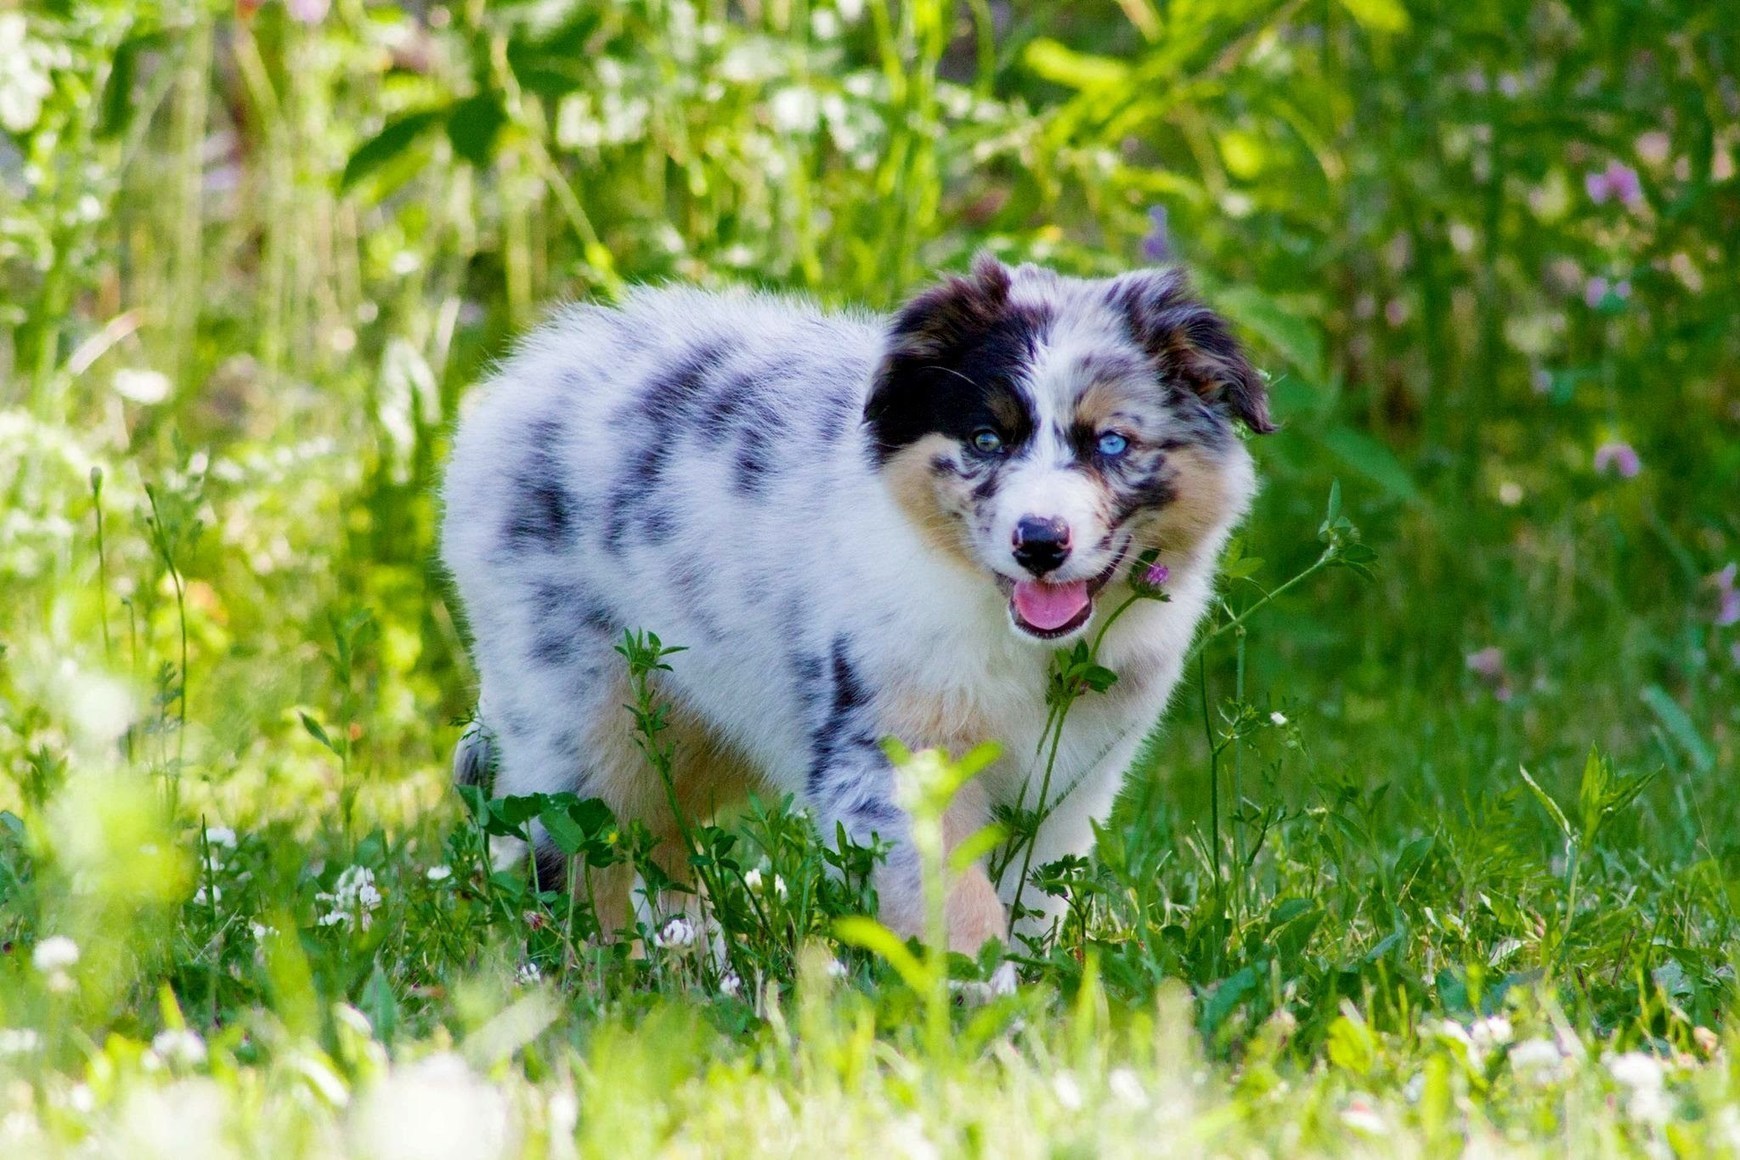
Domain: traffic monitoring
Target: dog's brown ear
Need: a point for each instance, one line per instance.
(1191, 344)
(952, 312)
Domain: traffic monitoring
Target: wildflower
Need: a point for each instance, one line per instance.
(208, 896)
(1125, 1087)
(1157, 575)
(438, 873)
(1492, 1031)
(753, 880)
(1538, 1061)
(145, 387)
(730, 983)
(1727, 596)
(55, 953)
(19, 1040)
(1637, 1070)
(1487, 662)
(308, 12)
(1278, 718)
(1068, 1092)
(1617, 458)
(676, 935)
(435, 1107)
(836, 969)
(1361, 1116)
(528, 974)
(1616, 183)
(1157, 243)
(353, 899)
(179, 1046)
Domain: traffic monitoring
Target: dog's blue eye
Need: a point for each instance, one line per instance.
(987, 441)
(1112, 444)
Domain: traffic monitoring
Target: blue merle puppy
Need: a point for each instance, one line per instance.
(860, 527)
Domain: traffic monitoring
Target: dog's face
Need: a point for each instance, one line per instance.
(1046, 430)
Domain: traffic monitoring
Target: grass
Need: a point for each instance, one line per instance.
(1435, 852)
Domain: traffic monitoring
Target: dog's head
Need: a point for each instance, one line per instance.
(1046, 430)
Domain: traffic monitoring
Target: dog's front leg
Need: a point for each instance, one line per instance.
(852, 787)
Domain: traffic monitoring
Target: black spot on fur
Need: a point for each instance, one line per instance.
(955, 364)
(568, 617)
(542, 512)
(1191, 345)
(549, 866)
(846, 723)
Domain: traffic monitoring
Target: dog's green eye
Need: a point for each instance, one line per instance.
(987, 441)
(1112, 444)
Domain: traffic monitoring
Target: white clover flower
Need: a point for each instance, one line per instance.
(1361, 1116)
(1637, 1070)
(1126, 1088)
(261, 931)
(836, 969)
(19, 1040)
(353, 899)
(677, 934)
(438, 873)
(1538, 1061)
(221, 836)
(433, 1109)
(757, 885)
(209, 895)
(1278, 717)
(1492, 1031)
(1067, 1091)
(529, 974)
(730, 983)
(146, 387)
(181, 1047)
(54, 954)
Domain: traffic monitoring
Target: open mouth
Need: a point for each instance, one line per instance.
(1047, 611)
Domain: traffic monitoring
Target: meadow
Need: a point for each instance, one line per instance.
(1437, 853)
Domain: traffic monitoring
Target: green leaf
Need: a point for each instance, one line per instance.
(1378, 15)
(1051, 61)
(872, 936)
(1296, 339)
(1679, 727)
(1351, 1044)
(473, 125)
(396, 136)
(1371, 459)
(315, 731)
(1551, 806)
(379, 1004)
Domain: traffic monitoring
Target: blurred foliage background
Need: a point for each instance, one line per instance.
(253, 254)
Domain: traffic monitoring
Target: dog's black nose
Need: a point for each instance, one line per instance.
(1041, 545)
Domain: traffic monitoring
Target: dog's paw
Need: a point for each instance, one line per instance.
(975, 914)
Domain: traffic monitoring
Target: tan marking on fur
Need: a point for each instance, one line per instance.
(951, 721)
(1097, 406)
(922, 494)
(974, 913)
(1199, 482)
(708, 774)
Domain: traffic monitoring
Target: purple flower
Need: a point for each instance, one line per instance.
(1488, 662)
(1617, 182)
(1157, 244)
(308, 11)
(1617, 458)
(1157, 575)
(1727, 596)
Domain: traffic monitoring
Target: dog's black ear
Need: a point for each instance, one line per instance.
(1191, 344)
(952, 312)
(924, 337)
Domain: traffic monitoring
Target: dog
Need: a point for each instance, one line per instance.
(859, 527)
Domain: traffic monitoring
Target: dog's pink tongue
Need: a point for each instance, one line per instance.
(1048, 606)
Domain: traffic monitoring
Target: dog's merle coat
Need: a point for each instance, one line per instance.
(860, 528)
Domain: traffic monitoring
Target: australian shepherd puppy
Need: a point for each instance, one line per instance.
(859, 527)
